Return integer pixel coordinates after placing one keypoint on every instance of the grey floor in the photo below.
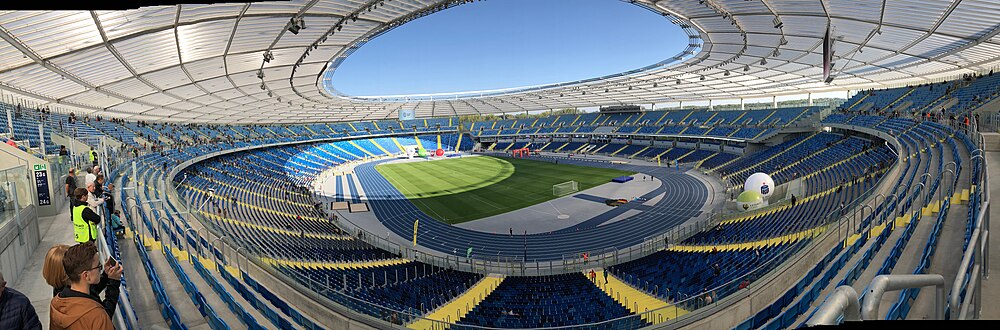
(991, 285)
(53, 230)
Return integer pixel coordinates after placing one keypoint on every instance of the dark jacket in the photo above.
(76, 310)
(16, 312)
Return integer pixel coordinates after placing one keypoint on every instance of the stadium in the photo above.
(798, 163)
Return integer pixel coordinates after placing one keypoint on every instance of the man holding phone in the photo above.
(77, 307)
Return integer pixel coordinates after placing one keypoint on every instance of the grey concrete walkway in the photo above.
(991, 285)
(53, 230)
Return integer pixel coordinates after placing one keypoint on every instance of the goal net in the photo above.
(565, 188)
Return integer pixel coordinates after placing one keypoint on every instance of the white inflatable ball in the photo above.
(761, 183)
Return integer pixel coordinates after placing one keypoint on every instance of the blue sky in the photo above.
(509, 43)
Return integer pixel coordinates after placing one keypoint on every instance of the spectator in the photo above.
(70, 182)
(93, 198)
(793, 200)
(109, 199)
(85, 220)
(90, 177)
(52, 268)
(16, 312)
(93, 156)
(605, 270)
(116, 224)
(76, 307)
(63, 153)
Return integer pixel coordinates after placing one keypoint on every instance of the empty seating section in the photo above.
(411, 287)
(696, 156)
(544, 301)
(775, 158)
(675, 153)
(675, 276)
(718, 160)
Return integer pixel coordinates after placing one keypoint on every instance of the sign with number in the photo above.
(407, 114)
(42, 185)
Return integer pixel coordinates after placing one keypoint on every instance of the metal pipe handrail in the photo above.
(842, 302)
(885, 283)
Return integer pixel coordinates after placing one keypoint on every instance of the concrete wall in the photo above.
(687, 145)
(19, 237)
(733, 150)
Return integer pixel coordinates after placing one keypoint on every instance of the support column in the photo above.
(774, 102)
(710, 107)
(810, 99)
(742, 107)
(41, 138)
(10, 123)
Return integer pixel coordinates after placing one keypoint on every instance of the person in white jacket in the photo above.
(93, 201)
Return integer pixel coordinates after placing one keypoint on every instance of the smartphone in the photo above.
(112, 261)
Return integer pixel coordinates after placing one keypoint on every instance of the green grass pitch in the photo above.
(457, 190)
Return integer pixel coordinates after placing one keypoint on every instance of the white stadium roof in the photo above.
(203, 63)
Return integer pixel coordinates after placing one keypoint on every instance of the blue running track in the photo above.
(684, 200)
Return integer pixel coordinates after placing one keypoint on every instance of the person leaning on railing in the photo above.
(85, 220)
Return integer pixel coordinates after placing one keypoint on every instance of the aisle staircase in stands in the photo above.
(456, 309)
(636, 301)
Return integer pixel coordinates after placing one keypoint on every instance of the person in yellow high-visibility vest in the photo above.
(85, 220)
(93, 156)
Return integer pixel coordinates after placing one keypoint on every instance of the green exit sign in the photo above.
(39, 167)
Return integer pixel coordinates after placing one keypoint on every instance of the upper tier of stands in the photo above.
(738, 124)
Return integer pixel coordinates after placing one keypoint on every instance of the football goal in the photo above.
(565, 188)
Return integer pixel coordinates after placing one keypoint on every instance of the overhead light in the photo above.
(702, 77)
(629, 87)
(268, 56)
(260, 74)
(296, 24)
(269, 94)
(654, 85)
(678, 81)
(782, 41)
(262, 86)
(776, 53)
(763, 61)
(829, 79)
(746, 68)
(606, 90)
(727, 73)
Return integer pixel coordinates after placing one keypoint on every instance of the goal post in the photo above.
(565, 188)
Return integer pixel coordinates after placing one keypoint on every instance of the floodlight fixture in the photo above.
(295, 24)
